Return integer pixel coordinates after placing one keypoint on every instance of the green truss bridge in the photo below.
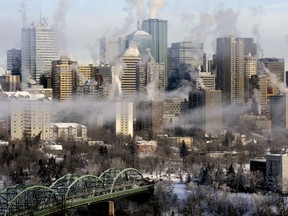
(73, 191)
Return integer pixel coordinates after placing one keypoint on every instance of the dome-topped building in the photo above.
(144, 42)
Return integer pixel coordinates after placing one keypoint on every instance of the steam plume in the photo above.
(23, 12)
(201, 30)
(258, 37)
(60, 23)
(262, 70)
(155, 6)
(115, 88)
(141, 12)
(226, 20)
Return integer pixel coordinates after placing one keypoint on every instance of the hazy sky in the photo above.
(85, 21)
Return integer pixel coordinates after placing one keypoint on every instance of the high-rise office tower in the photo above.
(38, 51)
(275, 65)
(149, 117)
(14, 61)
(230, 69)
(130, 58)
(111, 48)
(158, 29)
(145, 43)
(250, 68)
(186, 56)
(279, 111)
(63, 78)
(206, 109)
(124, 118)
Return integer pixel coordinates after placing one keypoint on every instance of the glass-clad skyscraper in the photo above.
(38, 51)
(186, 56)
(158, 29)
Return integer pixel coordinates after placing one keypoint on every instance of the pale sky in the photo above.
(85, 21)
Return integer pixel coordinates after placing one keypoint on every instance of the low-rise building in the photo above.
(145, 148)
(67, 131)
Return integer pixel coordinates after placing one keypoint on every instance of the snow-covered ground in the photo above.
(180, 190)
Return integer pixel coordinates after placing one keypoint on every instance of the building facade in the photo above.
(38, 51)
(130, 59)
(230, 69)
(276, 167)
(186, 57)
(14, 61)
(10, 82)
(279, 111)
(30, 115)
(63, 78)
(159, 31)
(124, 118)
(275, 66)
(68, 131)
(206, 109)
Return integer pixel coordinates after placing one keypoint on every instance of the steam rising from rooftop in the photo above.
(258, 38)
(60, 23)
(281, 86)
(226, 21)
(155, 6)
(141, 11)
(23, 12)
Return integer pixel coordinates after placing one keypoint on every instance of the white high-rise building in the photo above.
(124, 118)
(38, 51)
(130, 59)
(30, 115)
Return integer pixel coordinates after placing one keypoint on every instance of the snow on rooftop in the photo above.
(24, 95)
(65, 125)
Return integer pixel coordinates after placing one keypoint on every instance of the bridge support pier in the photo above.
(100, 209)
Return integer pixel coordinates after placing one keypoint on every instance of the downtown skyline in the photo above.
(83, 23)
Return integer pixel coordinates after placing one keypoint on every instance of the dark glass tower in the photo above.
(158, 29)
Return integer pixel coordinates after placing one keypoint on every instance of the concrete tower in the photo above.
(279, 111)
(128, 78)
(230, 69)
(63, 78)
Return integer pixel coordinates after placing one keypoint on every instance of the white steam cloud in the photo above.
(275, 83)
(60, 24)
(226, 22)
(141, 11)
(258, 38)
(155, 6)
(115, 88)
(23, 12)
